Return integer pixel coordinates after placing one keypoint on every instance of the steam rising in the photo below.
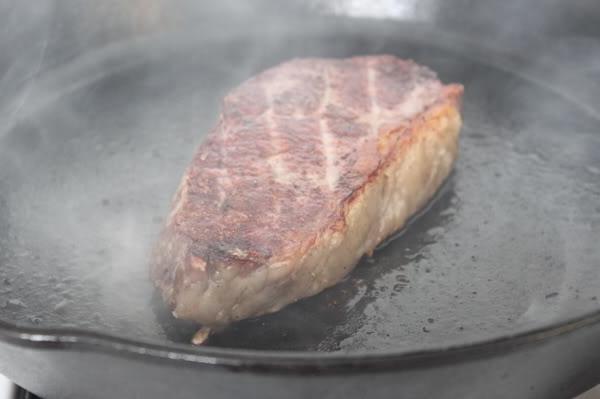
(99, 115)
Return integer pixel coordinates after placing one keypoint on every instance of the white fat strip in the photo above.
(331, 170)
(276, 162)
(375, 112)
(224, 180)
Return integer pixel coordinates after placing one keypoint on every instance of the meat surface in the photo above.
(311, 164)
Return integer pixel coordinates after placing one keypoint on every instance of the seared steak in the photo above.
(311, 164)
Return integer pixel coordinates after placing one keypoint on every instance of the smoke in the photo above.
(103, 104)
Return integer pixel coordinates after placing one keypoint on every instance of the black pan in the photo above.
(493, 290)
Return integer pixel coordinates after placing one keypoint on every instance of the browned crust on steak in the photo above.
(270, 179)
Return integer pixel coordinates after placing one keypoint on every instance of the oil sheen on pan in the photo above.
(311, 165)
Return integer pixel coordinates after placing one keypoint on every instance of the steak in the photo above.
(311, 164)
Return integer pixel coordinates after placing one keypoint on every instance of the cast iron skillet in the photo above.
(496, 281)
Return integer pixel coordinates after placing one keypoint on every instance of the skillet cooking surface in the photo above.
(88, 168)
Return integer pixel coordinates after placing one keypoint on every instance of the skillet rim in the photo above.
(303, 362)
(284, 362)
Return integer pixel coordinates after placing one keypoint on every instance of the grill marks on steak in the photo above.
(285, 151)
(292, 147)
